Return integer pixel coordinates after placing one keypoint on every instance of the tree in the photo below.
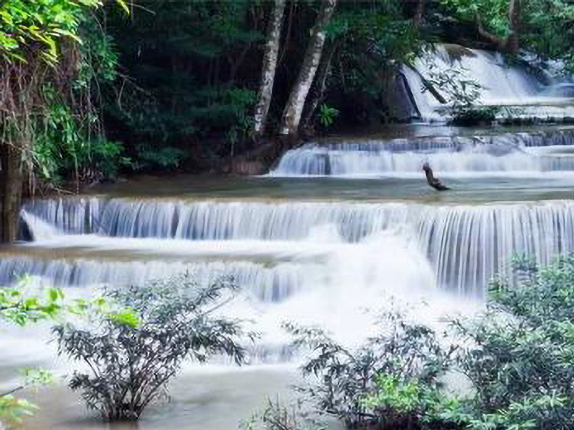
(269, 66)
(132, 356)
(38, 56)
(311, 60)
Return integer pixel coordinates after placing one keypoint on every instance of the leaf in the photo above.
(124, 6)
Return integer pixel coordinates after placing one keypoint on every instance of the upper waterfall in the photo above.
(502, 84)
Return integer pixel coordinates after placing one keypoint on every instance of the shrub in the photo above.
(520, 354)
(387, 381)
(132, 356)
(278, 416)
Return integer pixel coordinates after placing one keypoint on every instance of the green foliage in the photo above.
(26, 24)
(191, 92)
(492, 13)
(13, 410)
(375, 39)
(278, 416)
(133, 355)
(64, 149)
(353, 385)
(546, 26)
(327, 115)
(520, 357)
(22, 306)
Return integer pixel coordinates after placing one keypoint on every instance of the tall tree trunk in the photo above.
(10, 192)
(320, 84)
(514, 16)
(296, 103)
(419, 13)
(269, 67)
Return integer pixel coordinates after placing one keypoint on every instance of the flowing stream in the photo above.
(333, 234)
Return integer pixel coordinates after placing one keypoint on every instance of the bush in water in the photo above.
(131, 356)
(23, 306)
(279, 416)
(520, 357)
(392, 381)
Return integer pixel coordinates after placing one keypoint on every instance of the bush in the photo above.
(520, 357)
(390, 381)
(131, 356)
(278, 416)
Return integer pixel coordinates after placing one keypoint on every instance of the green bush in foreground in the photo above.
(131, 356)
(518, 356)
(392, 381)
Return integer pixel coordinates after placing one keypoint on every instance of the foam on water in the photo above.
(466, 245)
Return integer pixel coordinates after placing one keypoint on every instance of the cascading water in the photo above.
(333, 260)
(501, 84)
(519, 154)
(466, 245)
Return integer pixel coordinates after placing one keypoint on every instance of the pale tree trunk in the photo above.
(311, 61)
(10, 192)
(269, 66)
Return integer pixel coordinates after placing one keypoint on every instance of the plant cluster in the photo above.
(517, 356)
(131, 356)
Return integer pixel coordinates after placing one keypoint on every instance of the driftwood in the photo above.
(432, 181)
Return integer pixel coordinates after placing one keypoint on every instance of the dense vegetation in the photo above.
(516, 360)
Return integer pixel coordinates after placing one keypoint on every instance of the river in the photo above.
(337, 230)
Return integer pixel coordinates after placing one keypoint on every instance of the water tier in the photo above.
(465, 245)
(522, 154)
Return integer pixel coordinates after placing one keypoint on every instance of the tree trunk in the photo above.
(513, 41)
(296, 103)
(419, 13)
(10, 192)
(269, 67)
(320, 84)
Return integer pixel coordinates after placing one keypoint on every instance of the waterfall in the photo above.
(466, 245)
(523, 154)
(502, 84)
(267, 284)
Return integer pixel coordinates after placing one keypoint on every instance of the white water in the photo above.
(501, 84)
(465, 245)
(510, 155)
(336, 264)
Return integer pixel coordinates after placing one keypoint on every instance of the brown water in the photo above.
(200, 400)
